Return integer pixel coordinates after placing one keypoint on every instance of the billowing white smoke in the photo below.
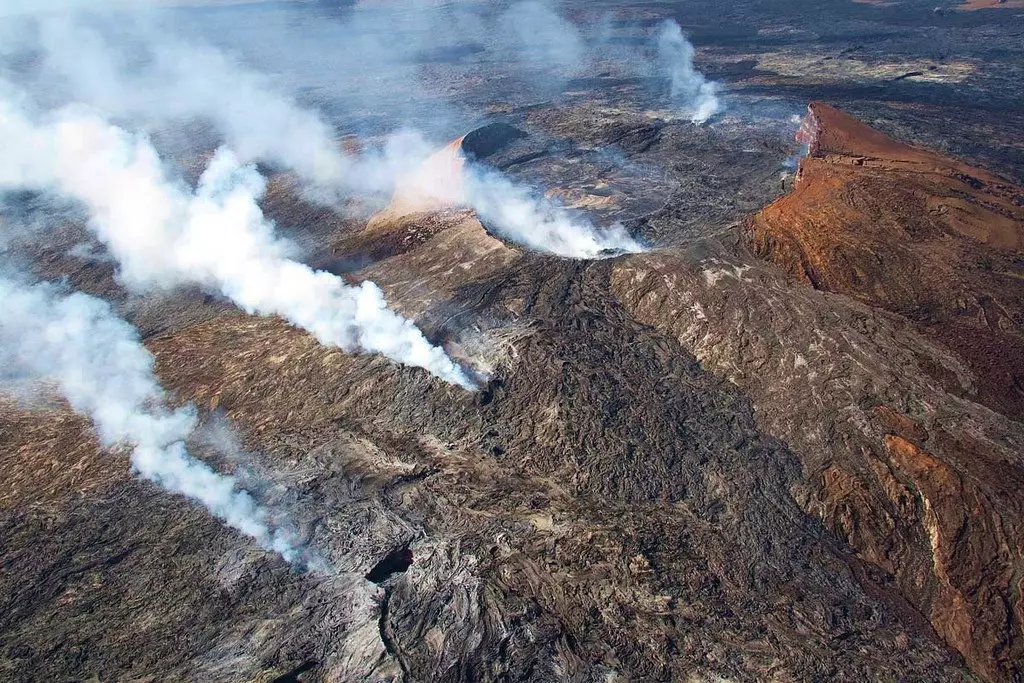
(688, 87)
(181, 81)
(106, 374)
(539, 224)
(162, 235)
(157, 81)
(448, 178)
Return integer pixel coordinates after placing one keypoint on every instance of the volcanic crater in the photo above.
(785, 441)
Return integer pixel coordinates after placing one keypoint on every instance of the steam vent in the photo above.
(527, 341)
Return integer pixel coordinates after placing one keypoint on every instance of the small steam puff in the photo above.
(448, 178)
(539, 224)
(217, 238)
(105, 373)
(687, 86)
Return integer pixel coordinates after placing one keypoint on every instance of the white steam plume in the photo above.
(141, 74)
(162, 235)
(538, 223)
(688, 87)
(106, 374)
(449, 178)
(180, 81)
(176, 81)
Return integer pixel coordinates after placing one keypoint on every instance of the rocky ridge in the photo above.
(686, 465)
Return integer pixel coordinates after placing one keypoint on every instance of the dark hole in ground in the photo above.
(293, 675)
(488, 393)
(398, 560)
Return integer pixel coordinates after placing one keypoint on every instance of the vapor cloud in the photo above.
(687, 86)
(163, 235)
(176, 81)
(105, 373)
(156, 80)
(542, 39)
(550, 46)
(516, 213)
(521, 215)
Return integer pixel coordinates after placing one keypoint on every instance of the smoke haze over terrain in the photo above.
(88, 97)
(216, 238)
(105, 373)
(156, 81)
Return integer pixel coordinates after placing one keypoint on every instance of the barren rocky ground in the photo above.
(785, 443)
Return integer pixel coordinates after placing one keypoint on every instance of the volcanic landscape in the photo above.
(513, 341)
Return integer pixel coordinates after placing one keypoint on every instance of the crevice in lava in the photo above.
(387, 636)
(293, 675)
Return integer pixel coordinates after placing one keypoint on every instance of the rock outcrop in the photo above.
(915, 233)
(889, 410)
(426, 241)
(922, 485)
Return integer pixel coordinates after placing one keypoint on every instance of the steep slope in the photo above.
(922, 483)
(913, 232)
(605, 507)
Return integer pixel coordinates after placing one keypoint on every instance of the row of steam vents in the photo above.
(84, 146)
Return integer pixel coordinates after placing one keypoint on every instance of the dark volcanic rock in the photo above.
(918, 482)
(486, 141)
(613, 509)
(782, 449)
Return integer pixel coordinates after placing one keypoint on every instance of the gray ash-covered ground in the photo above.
(677, 469)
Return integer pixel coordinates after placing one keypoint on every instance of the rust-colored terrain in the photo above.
(939, 243)
(972, 5)
(913, 232)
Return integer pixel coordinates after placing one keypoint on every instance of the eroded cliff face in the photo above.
(913, 232)
(887, 411)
